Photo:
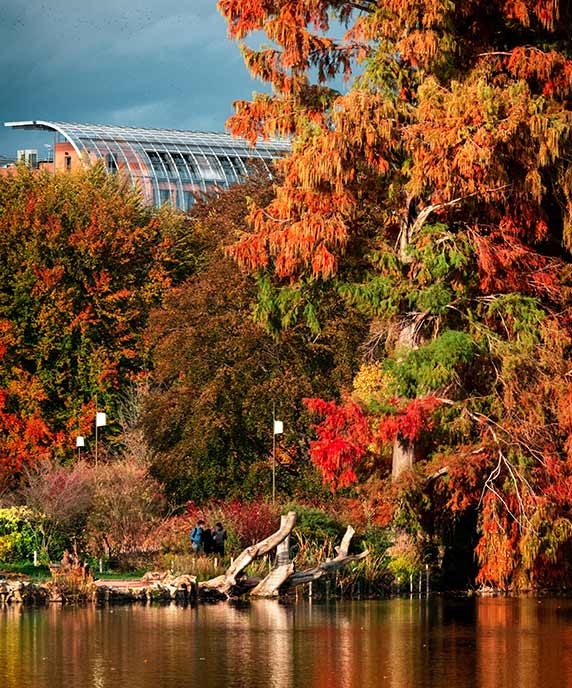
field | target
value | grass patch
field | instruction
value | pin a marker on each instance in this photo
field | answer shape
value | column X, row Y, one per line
column 25, row 569
column 119, row 575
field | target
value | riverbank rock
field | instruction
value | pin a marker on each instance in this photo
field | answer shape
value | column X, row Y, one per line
column 23, row 592
column 152, row 588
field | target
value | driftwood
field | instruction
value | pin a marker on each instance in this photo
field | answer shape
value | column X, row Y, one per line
column 282, row 570
column 283, row 575
column 229, row 582
column 327, row 567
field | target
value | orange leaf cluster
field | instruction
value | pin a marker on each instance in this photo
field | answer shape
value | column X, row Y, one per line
column 507, row 264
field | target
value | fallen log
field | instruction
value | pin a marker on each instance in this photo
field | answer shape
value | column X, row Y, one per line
column 283, row 575
column 327, row 567
column 283, row 568
column 229, row 583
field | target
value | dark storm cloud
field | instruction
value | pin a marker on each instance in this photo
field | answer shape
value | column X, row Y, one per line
column 133, row 62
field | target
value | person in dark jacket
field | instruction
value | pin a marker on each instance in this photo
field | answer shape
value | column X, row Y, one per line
column 207, row 540
column 218, row 536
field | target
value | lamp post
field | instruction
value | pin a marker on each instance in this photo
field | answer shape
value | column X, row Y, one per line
column 100, row 422
column 79, row 443
column 277, row 429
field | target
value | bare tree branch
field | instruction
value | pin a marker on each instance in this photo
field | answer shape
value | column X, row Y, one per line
column 224, row 584
column 341, row 559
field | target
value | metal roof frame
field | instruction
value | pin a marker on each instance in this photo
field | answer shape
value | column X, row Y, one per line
column 155, row 159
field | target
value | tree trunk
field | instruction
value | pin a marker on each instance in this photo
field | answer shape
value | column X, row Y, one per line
column 403, row 450
column 403, row 457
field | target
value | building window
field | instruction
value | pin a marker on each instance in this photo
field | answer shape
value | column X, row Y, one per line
column 189, row 199
column 165, row 196
column 156, row 163
column 110, row 162
column 29, row 157
column 185, row 166
column 67, row 161
column 231, row 167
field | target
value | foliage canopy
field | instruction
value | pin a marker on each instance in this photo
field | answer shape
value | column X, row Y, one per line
column 81, row 262
column 435, row 195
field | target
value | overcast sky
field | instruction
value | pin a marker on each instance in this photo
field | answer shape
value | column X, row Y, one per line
column 154, row 63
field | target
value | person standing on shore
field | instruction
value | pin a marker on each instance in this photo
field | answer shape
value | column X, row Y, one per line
column 219, row 536
column 207, row 539
column 197, row 537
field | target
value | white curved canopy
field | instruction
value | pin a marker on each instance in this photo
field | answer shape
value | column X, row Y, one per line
column 169, row 165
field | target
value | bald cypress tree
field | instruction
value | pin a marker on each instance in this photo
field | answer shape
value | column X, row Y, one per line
column 435, row 194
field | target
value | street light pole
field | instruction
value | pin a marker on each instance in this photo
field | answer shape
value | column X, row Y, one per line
column 273, row 453
column 100, row 422
column 277, row 429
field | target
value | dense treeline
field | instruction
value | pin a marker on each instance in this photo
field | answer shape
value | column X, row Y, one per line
column 82, row 261
column 140, row 311
column 219, row 374
column 404, row 284
column 106, row 301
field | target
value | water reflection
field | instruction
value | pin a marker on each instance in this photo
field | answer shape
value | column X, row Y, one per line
column 395, row 644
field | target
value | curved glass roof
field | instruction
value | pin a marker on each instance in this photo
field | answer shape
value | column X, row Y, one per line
column 169, row 165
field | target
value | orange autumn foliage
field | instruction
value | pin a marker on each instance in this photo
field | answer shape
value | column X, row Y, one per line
column 467, row 118
column 81, row 263
column 435, row 188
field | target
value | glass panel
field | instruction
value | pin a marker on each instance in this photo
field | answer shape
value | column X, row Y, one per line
column 156, row 163
column 110, row 162
column 189, row 200
column 154, row 157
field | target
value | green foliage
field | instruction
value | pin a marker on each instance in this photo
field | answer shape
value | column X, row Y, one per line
column 441, row 252
column 377, row 295
column 435, row 365
column 444, row 268
column 406, row 559
column 517, row 318
column 276, row 309
column 26, row 569
column 374, row 538
column 316, row 524
column 18, row 533
column 434, row 299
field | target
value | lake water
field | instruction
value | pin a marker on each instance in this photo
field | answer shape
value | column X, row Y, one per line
column 399, row 643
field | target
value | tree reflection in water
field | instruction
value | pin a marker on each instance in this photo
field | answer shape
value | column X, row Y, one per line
column 401, row 643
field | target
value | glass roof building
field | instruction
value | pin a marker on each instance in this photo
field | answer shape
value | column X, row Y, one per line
column 169, row 166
